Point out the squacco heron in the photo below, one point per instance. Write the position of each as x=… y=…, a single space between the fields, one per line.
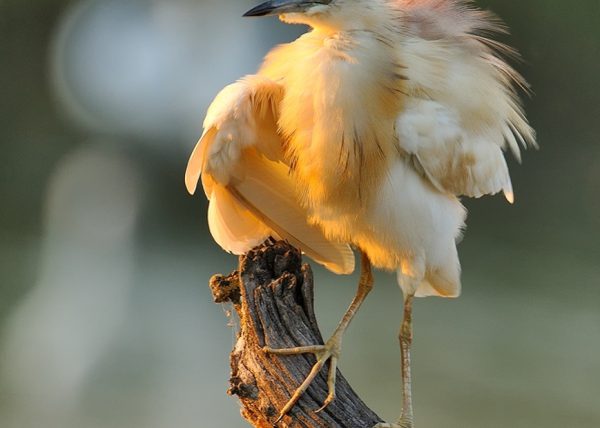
x=364 y=133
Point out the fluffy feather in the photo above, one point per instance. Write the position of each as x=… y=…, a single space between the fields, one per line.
x=462 y=107
x=448 y=155
x=267 y=190
x=251 y=193
x=234 y=227
x=373 y=123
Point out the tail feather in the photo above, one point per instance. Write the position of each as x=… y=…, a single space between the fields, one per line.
x=433 y=285
x=436 y=284
x=440 y=280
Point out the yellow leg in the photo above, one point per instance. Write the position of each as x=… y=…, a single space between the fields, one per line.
x=332 y=349
x=406 y=335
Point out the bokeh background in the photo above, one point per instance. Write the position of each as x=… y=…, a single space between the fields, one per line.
x=105 y=315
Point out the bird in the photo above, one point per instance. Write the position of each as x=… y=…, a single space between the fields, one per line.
x=364 y=134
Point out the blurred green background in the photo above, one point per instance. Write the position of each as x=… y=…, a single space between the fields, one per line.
x=105 y=316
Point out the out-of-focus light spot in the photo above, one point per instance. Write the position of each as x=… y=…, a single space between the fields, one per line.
x=93 y=196
x=60 y=330
x=148 y=68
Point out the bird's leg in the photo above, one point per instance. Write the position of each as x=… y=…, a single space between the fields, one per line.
x=332 y=349
x=406 y=335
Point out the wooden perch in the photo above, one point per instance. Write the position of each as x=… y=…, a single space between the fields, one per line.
x=273 y=296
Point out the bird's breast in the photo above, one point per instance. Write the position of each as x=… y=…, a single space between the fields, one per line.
x=342 y=97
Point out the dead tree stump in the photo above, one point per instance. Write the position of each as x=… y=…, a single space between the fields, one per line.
x=273 y=295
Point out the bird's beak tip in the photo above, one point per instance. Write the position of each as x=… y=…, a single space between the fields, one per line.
x=277 y=7
x=262 y=9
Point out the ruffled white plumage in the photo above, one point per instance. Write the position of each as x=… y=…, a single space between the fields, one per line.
x=462 y=108
x=384 y=129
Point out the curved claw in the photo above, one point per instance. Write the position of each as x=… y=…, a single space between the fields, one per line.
x=324 y=353
x=302 y=388
x=330 y=383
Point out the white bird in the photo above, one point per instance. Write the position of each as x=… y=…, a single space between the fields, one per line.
x=365 y=132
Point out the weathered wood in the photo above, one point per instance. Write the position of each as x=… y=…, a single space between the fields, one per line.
x=273 y=295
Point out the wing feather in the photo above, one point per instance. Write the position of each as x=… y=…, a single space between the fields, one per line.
x=244 y=175
x=267 y=190
x=234 y=228
x=196 y=162
x=462 y=108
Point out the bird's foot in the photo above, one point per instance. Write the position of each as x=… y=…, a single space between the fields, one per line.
x=328 y=352
x=399 y=424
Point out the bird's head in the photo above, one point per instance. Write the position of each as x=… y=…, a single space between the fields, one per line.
x=335 y=15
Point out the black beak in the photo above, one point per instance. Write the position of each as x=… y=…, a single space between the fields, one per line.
x=277 y=7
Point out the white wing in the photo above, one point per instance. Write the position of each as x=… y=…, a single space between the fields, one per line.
x=462 y=109
x=252 y=195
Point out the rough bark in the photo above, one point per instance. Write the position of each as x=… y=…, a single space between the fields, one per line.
x=273 y=295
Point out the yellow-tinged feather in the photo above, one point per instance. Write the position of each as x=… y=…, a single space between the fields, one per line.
x=235 y=228
x=268 y=191
x=196 y=162
x=510 y=196
x=369 y=126
x=240 y=159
